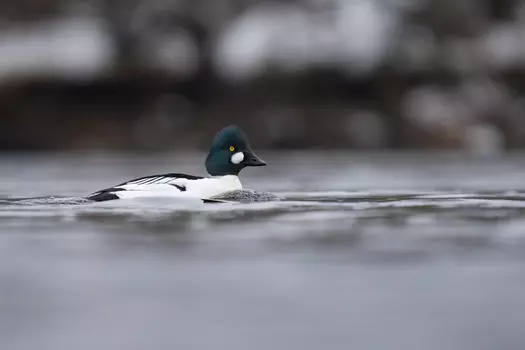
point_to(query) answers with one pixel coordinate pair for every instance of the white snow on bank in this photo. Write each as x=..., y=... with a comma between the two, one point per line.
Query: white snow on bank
x=350, y=35
x=66, y=49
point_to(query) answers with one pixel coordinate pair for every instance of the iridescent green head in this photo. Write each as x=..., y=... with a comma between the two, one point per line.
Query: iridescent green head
x=230, y=153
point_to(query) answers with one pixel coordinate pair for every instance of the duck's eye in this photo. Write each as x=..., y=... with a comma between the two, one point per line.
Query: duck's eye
x=232, y=148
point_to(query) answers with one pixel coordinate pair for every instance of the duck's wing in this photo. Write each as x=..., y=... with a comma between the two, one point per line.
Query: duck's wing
x=160, y=179
x=173, y=183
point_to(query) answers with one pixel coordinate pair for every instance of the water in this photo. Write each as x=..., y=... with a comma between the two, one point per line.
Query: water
x=364, y=251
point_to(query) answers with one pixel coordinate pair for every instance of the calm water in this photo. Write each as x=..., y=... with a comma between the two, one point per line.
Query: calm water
x=373, y=251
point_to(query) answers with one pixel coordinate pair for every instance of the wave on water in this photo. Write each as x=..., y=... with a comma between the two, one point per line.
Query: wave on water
x=247, y=196
x=358, y=200
x=44, y=200
x=241, y=196
x=310, y=217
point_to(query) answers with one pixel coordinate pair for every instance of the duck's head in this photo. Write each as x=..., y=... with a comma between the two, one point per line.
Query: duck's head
x=230, y=153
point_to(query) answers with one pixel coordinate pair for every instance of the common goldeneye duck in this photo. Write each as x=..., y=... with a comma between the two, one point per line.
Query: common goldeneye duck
x=229, y=154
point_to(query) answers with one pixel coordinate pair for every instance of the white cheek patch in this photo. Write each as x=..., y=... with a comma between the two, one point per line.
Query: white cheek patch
x=238, y=157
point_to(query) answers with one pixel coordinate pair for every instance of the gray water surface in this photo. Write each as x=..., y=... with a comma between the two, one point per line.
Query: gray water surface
x=369, y=251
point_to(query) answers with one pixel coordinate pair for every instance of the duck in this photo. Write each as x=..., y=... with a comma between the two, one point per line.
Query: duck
x=230, y=153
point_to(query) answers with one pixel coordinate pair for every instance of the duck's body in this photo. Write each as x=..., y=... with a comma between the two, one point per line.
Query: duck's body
x=170, y=185
x=229, y=154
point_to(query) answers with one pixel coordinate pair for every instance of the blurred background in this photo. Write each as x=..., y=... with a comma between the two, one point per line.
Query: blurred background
x=162, y=74
x=374, y=245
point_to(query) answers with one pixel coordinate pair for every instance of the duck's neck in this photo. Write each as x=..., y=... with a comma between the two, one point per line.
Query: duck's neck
x=229, y=181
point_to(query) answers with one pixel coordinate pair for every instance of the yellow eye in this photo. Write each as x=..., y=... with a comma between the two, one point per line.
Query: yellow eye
x=232, y=148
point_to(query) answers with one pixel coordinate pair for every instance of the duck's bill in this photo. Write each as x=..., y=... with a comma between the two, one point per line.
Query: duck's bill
x=251, y=159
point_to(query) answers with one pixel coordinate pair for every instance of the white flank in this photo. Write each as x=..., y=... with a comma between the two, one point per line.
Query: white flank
x=201, y=188
x=237, y=158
